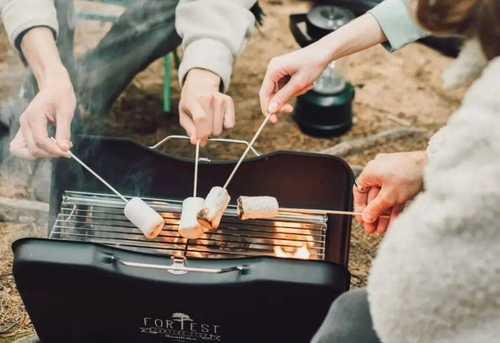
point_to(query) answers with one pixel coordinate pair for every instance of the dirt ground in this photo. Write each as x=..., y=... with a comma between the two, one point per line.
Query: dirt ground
x=391, y=89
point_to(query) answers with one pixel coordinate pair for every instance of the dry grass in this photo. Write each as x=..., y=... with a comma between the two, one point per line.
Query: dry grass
x=14, y=320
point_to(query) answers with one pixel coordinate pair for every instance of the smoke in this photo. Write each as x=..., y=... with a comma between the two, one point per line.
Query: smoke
x=18, y=88
x=103, y=47
x=12, y=73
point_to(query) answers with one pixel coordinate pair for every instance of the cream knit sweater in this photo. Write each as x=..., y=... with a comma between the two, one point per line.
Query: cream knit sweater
x=436, y=278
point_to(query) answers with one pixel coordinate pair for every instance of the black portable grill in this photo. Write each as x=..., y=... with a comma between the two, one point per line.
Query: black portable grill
x=96, y=279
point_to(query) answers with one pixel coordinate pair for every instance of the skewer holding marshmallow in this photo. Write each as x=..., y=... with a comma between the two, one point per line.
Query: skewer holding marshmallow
x=189, y=226
x=218, y=198
x=136, y=210
x=266, y=207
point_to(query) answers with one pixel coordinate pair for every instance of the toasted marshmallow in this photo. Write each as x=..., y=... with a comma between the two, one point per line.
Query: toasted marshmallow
x=216, y=203
x=144, y=217
x=189, y=226
x=261, y=207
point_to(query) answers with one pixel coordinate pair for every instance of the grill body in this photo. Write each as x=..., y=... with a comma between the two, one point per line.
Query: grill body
x=83, y=284
x=75, y=293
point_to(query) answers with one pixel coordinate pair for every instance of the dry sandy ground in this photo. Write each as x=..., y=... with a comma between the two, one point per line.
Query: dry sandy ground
x=404, y=85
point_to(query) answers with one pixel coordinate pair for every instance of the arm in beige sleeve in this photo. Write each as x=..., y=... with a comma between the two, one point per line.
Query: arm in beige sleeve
x=214, y=32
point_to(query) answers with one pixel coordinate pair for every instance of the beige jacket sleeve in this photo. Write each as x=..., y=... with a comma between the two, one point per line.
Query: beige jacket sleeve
x=20, y=15
x=213, y=32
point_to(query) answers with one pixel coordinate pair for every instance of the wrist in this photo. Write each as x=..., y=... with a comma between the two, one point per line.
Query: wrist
x=204, y=78
x=52, y=76
x=326, y=51
x=421, y=157
x=420, y=160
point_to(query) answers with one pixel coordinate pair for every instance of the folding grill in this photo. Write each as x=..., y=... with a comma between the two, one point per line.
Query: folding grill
x=97, y=279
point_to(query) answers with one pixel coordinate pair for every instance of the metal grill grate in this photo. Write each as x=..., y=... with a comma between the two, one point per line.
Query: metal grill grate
x=99, y=218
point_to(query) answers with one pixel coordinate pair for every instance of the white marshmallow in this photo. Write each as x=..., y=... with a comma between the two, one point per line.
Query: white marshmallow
x=144, y=217
x=261, y=207
x=216, y=203
x=189, y=226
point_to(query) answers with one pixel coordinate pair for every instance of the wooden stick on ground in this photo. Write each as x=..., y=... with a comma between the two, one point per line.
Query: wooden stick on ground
x=23, y=211
x=357, y=145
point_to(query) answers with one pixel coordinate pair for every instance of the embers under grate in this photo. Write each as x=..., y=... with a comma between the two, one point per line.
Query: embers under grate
x=99, y=218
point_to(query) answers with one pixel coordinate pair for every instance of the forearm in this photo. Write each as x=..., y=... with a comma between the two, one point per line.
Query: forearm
x=39, y=48
x=389, y=22
x=360, y=34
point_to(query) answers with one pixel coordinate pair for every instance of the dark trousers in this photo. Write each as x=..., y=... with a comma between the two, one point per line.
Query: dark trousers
x=142, y=34
x=348, y=321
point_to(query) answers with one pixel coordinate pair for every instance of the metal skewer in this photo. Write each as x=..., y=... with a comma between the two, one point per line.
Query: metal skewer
x=197, y=158
x=195, y=191
x=247, y=150
x=111, y=188
x=321, y=212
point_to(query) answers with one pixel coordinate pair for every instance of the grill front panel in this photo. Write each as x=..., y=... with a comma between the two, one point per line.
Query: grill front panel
x=99, y=218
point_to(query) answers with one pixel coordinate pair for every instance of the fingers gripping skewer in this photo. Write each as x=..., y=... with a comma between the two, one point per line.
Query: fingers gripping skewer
x=136, y=210
x=218, y=198
x=189, y=226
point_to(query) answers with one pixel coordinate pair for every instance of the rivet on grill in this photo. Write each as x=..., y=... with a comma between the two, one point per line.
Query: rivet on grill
x=109, y=258
x=244, y=269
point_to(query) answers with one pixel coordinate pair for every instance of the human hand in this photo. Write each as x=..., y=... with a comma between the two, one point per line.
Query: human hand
x=385, y=186
x=54, y=104
x=203, y=110
x=291, y=75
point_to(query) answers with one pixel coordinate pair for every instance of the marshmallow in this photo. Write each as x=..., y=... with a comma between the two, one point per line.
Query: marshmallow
x=189, y=226
x=261, y=207
x=144, y=217
x=216, y=203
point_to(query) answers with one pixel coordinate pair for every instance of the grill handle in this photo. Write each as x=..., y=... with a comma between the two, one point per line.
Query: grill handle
x=220, y=140
x=178, y=267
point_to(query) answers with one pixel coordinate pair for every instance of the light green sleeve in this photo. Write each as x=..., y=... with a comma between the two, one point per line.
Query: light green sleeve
x=398, y=24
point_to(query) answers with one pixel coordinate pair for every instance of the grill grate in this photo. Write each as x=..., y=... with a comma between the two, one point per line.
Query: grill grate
x=98, y=218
